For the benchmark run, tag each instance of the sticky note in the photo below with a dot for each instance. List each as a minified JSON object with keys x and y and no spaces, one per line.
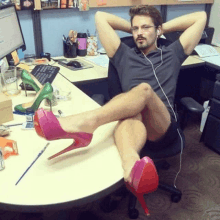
{"x":24,"y":66}
{"x":15,"y":57}
{"x":101,"y":2}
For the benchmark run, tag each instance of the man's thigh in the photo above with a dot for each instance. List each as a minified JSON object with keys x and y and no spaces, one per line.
{"x":156,"y":118}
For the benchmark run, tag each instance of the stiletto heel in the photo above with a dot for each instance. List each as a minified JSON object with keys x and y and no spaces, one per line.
{"x":28,"y":78}
{"x":46,"y":92}
{"x":25,"y":89}
{"x":144,"y":179}
{"x":77,"y":144}
{"x":140,"y":198}
{"x":47,"y":126}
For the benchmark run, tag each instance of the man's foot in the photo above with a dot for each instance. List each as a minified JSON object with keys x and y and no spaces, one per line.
{"x":128,"y":166}
{"x":83,"y":122}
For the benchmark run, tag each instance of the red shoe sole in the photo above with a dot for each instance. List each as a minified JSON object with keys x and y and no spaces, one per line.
{"x":37,"y":126}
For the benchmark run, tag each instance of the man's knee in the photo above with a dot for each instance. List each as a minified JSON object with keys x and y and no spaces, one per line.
{"x":145,"y":89}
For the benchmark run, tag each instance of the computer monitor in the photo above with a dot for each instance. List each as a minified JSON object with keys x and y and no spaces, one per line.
{"x":11,"y":36}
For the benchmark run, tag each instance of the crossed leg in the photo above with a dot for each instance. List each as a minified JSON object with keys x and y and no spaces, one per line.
{"x":141,"y":114}
{"x":131,"y":133}
{"x":130,"y":136}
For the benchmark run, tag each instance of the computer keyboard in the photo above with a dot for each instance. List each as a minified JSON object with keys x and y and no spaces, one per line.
{"x":43,"y":73}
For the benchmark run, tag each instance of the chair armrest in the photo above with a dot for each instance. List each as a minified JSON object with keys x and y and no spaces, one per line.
{"x":191,"y":105}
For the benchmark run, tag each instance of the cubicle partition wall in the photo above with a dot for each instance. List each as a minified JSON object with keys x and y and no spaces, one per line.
{"x":48,"y":25}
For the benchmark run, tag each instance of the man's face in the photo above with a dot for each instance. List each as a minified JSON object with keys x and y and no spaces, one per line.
{"x":144,"y":33}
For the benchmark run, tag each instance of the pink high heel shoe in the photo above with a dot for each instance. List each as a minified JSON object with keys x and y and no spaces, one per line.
{"x":144,"y":179}
{"x":48,"y":127}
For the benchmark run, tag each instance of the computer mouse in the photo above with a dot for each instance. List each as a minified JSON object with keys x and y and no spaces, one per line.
{"x":74,"y":63}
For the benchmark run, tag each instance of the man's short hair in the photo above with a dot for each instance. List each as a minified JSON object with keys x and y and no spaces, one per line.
{"x":146,"y":10}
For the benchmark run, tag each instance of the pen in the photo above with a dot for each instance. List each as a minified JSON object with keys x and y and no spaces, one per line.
{"x":13,"y":125}
{"x":68,"y":41}
{"x":33,"y":163}
{"x":18,"y":113}
{"x":23,"y":113}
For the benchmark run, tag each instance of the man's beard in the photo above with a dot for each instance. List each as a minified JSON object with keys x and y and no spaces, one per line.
{"x":143,"y":45}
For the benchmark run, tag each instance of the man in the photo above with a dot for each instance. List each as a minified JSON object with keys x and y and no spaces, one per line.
{"x":147,"y":75}
{"x":148,"y":78}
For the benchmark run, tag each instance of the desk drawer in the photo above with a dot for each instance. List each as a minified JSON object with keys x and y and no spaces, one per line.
{"x":215,"y":108}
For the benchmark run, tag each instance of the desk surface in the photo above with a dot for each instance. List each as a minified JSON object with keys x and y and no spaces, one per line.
{"x":75,"y":178}
{"x":216,"y":66}
{"x":96,"y":72}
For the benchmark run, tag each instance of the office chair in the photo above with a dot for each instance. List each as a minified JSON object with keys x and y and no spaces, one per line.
{"x":188,"y":106}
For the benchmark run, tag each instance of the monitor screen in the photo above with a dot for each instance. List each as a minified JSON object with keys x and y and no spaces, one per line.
{"x":11,"y":37}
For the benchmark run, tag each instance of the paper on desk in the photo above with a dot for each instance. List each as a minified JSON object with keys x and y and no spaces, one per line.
{"x":205,"y":50}
{"x":214,"y":60}
{"x":101,"y":60}
{"x":24,"y":66}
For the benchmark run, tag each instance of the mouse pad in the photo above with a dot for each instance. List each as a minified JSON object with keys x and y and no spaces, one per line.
{"x":83,"y":63}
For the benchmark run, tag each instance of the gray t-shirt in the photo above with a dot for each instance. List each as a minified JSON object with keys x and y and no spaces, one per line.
{"x":133,"y":68}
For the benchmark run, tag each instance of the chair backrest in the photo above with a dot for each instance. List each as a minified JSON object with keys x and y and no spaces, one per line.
{"x":114,"y":86}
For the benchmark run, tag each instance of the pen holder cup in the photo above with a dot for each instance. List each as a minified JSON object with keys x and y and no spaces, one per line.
{"x":70,"y":51}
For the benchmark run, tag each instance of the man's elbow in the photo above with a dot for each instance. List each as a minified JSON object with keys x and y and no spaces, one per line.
{"x":201,"y":20}
{"x":98,"y":15}
{"x":203,"y":16}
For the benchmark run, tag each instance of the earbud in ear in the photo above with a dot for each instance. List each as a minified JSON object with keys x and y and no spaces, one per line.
{"x":158,"y":32}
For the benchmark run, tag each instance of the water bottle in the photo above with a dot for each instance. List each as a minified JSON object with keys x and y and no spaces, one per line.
{"x":82,"y":44}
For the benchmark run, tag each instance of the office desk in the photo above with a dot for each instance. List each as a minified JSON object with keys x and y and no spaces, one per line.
{"x":73,"y":179}
{"x":192,"y":61}
{"x":205,"y":77}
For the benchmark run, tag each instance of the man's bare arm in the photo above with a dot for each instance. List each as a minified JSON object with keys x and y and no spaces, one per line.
{"x":106,"y":25}
{"x":192,"y":25}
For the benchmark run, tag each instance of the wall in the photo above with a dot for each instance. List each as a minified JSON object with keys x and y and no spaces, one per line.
{"x":25,"y":18}
{"x":214,"y":22}
{"x":174,"y":11}
{"x":57,"y":22}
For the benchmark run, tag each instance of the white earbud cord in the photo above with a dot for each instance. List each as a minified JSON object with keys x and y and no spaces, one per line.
{"x":154,"y":70}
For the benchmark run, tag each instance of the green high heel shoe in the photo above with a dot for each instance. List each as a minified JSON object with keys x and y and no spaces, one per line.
{"x":46,"y":92}
{"x":27,"y":78}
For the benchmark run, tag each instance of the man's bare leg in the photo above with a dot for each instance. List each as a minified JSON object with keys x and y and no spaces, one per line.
{"x":123,"y":106}
{"x":130,"y":136}
{"x":156,"y":118}
{"x":140,"y":99}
